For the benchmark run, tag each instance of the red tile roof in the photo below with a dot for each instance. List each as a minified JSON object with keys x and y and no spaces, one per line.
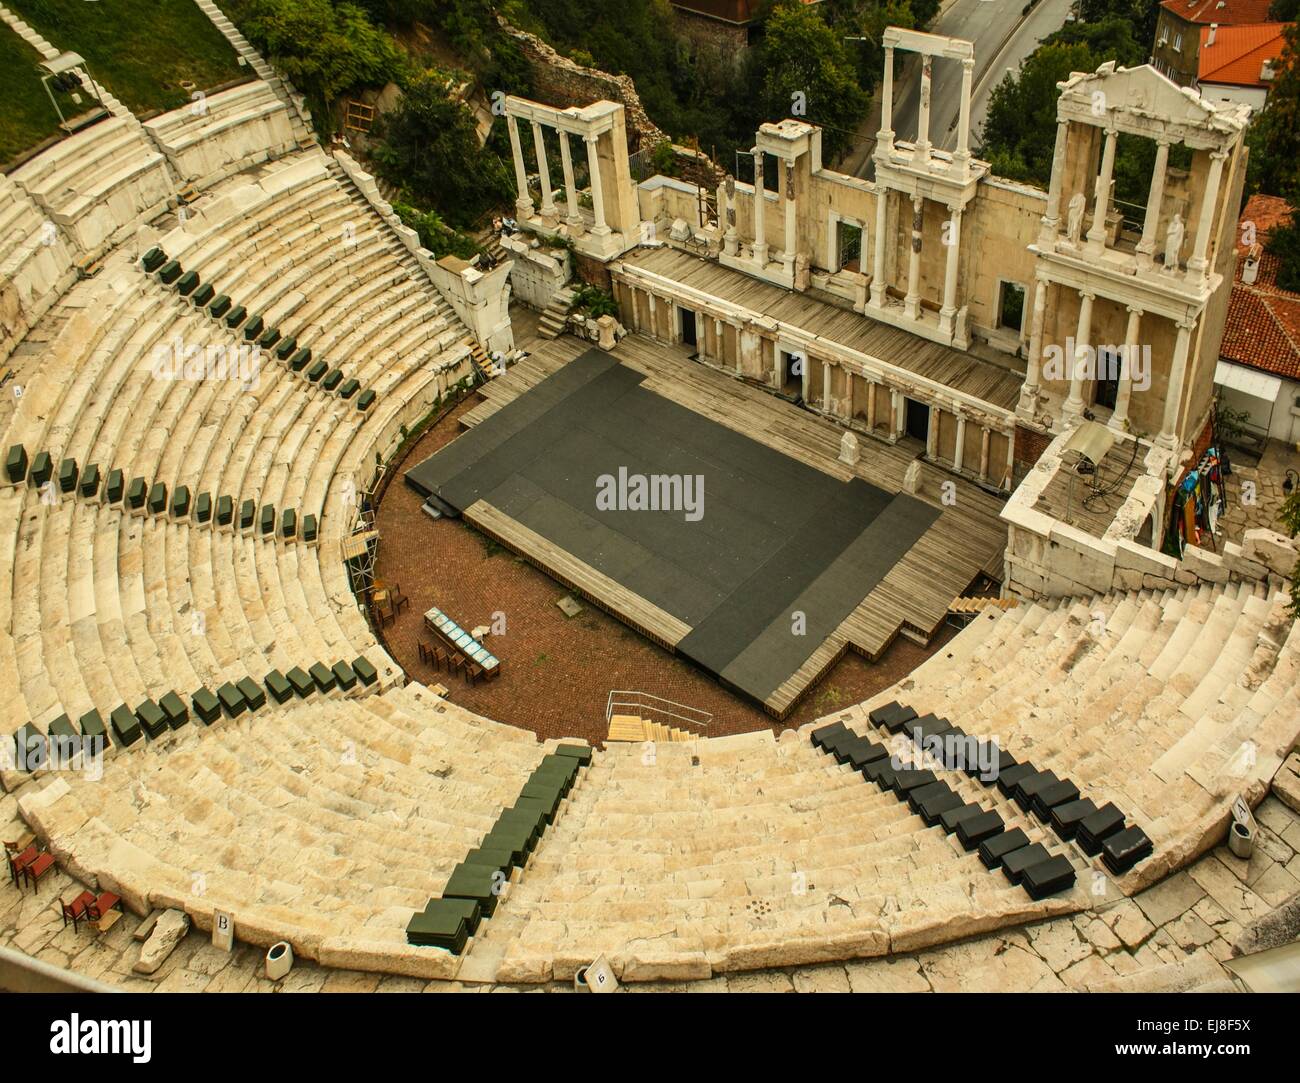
{"x":1263,"y":324}
{"x":1239,"y":52}
{"x":1223,"y":12}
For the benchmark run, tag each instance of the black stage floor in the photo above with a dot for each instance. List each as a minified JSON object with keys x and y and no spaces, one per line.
{"x":775,"y":538}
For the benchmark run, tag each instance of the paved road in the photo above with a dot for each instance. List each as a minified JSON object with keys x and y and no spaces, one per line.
{"x":987,"y":24}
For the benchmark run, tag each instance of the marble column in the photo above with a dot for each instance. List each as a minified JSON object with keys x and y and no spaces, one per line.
{"x":790,"y":214}
{"x":827,"y":403}
{"x":1083,"y":336}
{"x":1209,"y":200}
{"x":597,"y":187}
{"x":895,"y":413}
{"x":1168,"y":437}
{"x":986,"y":442}
{"x":912,"y":302}
{"x":1028,"y":404}
{"x":543,"y":173}
{"x":959,"y":450}
{"x":524,"y":200}
{"x":962,"y":156}
{"x":885,"y":137}
{"x":760,"y":208}
{"x":573,"y":214}
{"x":1155,"y":197}
{"x":1101,"y":192}
{"x":871,"y":405}
{"x":921,"y":151}
{"x":953,"y":244}
{"x":878,"y":262}
{"x":1119,"y":417}
{"x":932,"y":435}
{"x":1052,"y":216}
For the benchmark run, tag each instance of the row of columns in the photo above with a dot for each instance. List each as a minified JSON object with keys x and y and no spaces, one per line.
{"x":1103,"y":192}
{"x":952,"y":242}
{"x":922,"y":147}
{"x":1074,"y":404}
{"x":790,"y":216}
{"x":524,"y":202}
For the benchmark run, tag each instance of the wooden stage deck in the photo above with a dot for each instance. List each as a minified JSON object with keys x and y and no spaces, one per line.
{"x":967,"y":540}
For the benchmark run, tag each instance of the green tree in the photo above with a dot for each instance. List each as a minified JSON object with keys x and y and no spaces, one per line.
{"x":806,"y":67}
{"x":1274,"y":135}
{"x":430,"y":147}
{"x":325,"y":49}
{"x":1284,"y":243}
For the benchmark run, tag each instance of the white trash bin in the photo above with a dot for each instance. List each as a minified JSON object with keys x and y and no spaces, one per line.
{"x":279,"y":960}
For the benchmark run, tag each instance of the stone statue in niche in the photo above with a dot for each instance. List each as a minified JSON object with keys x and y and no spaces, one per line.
{"x":1074,"y":219}
{"x":1173,"y":242}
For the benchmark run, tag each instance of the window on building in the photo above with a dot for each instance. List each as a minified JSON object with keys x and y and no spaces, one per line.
{"x":1178,"y":41}
{"x":849,"y":247}
{"x":1164,"y":35}
{"x":1011,"y":306}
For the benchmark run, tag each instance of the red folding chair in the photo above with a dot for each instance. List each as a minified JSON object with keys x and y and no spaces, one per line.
{"x":76,"y":910}
{"x":103,"y":904}
{"x":38,"y":868}
{"x":18,"y":864}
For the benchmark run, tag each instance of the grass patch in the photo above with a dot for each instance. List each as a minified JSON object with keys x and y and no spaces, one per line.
{"x":27,"y":116}
{"x":141,"y":50}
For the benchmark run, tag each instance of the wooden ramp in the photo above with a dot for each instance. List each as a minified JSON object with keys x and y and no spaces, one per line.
{"x":627,"y":727}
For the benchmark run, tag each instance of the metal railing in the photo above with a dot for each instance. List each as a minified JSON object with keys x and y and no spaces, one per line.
{"x":642,"y":702}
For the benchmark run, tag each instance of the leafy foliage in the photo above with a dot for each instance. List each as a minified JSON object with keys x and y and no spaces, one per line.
{"x":1284,"y":243}
{"x":594,"y":302}
{"x":325,"y":49}
{"x":805,"y":60}
{"x":1274,"y":135}
{"x":438,"y":237}
{"x":430,"y":147}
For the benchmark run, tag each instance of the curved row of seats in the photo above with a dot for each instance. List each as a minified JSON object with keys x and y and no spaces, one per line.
{"x":1167,"y":704}
{"x":322,"y":822}
{"x":106,"y":607}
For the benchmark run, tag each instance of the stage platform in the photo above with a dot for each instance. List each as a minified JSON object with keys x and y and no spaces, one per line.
{"x":764,"y":584}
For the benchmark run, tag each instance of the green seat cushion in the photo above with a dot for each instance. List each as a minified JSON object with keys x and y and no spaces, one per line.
{"x":317,"y":371}
{"x":187,"y":283}
{"x":288,"y":523}
{"x":153,"y":259}
{"x":68,"y":474}
{"x":158,"y":498}
{"x":62,"y":727}
{"x":125,"y":725}
{"x":247,"y":511}
{"x":232,"y":700}
{"x":300,"y":359}
{"x":323,"y":676}
{"x":151,"y":717}
{"x":366,"y":673}
{"x":30,"y":747}
{"x":174,"y":708}
{"x":219,"y":307}
{"x":136,"y":492}
{"x":225,"y":510}
{"x":301,"y":681}
{"x":92,"y":725}
{"x":203,"y":508}
{"x":349,"y":388}
{"x":581,"y":753}
{"x":253,"y":328}
{"x":252,"y":693}
{"x":115,"y":487}
{"x":206,"y":706}
{"x":495,"y":857}
{"x":268,"y":519}
{"x":16,"y":464}
{"x":535,"y":805}
{"x":90,"y":481}
{"x":286,"y":348}
{"x":477,"y":882}
{"x":365,"y":400}
{"x":278,"y":685}
{"x":42,"y":469}
{"x":202,"y":295}
{"x":180,"y":501}
{"x":169,"y":272}
{"x":439,"y":927}
{"x":344,"y":675}
{"x":332,"y":379}
{"x":269,"y":338}
{"x":236,"y":316}
{"x":309,"y":528}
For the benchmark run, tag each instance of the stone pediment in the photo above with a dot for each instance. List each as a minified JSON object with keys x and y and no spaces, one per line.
{"x":1142,"y":101}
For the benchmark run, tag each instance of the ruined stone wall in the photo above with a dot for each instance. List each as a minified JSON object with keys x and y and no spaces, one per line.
{"x":562,"y":82}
